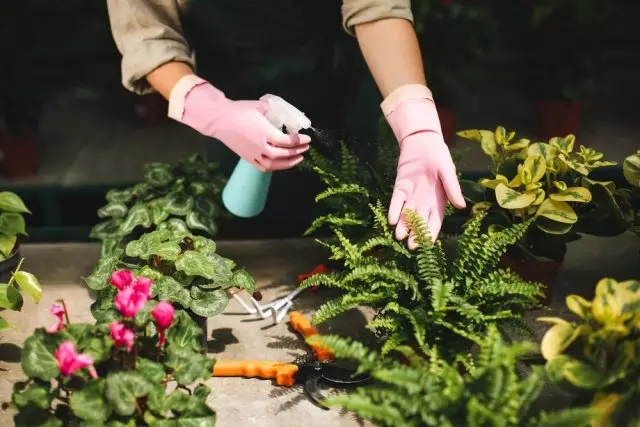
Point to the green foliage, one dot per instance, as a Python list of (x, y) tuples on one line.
[(598, 356), (130, 389), (181, 197), (185, 268), (428, 391), (12, 222), (548, 181), (422, 298), (629, 200), (10, 296)]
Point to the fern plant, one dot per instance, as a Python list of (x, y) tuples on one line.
[(420, 297), (434, 393), (184, 197)]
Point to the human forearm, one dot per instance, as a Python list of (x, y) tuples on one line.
[(391, 50), (164, 78)]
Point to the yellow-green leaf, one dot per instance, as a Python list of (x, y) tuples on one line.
[(484, 137), (29, 283), (573, 194), (557, 339), (557, 211), (606, 308), (605, 404), (511, 199), (493, 183), (4, 325), (533, 186), (539, 193), (553, 320), (582, 375), (563, 144), (548, 152), (521, 144), (479, 207), (553, 227), (7, 243), (631, 169), (575, 165), (536, 167), (560, 185), (500, 135), (511, 135), (578, 305)]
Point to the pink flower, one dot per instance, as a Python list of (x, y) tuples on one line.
[(121, 279), (129, 302), (123, 336), (163, 314), (70, 361), (143, 285), (58, 311)]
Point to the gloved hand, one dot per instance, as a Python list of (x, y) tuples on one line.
[(240, 125), (426, 176)]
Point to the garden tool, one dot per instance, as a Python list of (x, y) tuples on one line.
[(307, 370), (245, 194), (276, 309)]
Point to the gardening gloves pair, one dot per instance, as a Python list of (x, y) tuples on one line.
[(240, 125), (426, 178)]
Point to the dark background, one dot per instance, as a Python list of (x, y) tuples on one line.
[(69, 131)]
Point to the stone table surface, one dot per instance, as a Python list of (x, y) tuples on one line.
[(234, 335)]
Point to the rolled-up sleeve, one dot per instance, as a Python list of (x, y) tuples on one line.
[(148, 34), (355, 12)]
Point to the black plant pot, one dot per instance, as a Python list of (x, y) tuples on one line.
[(9, 265)]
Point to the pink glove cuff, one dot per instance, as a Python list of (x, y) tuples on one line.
[(410, 109), (179, 93)]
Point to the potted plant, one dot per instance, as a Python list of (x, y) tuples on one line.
[(434, 393), (186, 271), (421, 298), (596, 356), (10, 296), (12, 225), (547, 182), (631, 170), (137, 370), (184, 196), (455, 35)]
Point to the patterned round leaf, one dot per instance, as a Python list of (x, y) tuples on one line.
[(124, 388), (572, 194), (7, 243), (557, 211), (105, 229), (138, 217), (113, 210), (120, 196), (631, 169), (244, 280), (159, 212), (195, 264), (88, 403), (168, 289), (158, 174), (176, 225), (197, 221), (36, 359), (210, 304), (179, 203), (511, 199)]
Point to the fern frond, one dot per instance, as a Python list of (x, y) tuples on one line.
[(389, 274), (333, 220), (347, 302), (354, 190), (572, 417), (430, 256), (366, 407), (349, 164)]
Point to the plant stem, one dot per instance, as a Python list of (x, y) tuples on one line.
[(15, 271), (66, 314)]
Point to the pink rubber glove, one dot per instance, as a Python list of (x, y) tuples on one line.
[(426, 176), (240, 125)]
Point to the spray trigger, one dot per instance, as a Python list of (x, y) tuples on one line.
[(282, 114)]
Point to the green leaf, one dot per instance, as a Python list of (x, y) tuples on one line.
[(11, 202), (484, 137), (195, 264), (204, 245), (176, 224), (184, 332), (152, 371), (37, 361), (206, 207), (12, 224), (113, 210), (35, 393), (89, 403), (138, 216), (159, 242), (7, 244), (557, 211), (188, 365), (583, 375), (158, 174), (29, 283), (159, 212), (106, 229), (98, 347), (32, 416), (202, 391), (177, 400), (169, 289), (198, 221), (101, 275), (179, 204), (572, 194), (511, 199), (119, 196), (243, 280), (4, 325), (10, 298), (631, 169), (210, 303), (124, 388)]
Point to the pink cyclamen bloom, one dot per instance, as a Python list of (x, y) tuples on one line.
[(143, 285), (163, 314), (121, 279), (58, 311), (129, 302), (70, 361), (123, 336)]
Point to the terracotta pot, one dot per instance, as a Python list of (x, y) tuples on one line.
[(559, 118), (448, 124), (151, 110), (20, 154), (545, 272)]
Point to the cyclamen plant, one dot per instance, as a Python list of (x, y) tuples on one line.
[(116, 374)]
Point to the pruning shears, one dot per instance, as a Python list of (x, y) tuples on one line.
[(322, 367)]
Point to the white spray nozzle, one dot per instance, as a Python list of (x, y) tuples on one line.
[(280, 113)]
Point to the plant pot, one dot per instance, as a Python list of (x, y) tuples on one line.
[(448, 124), (545, 272), (151, 110), (19, 154), (559, 118), (8, 266)]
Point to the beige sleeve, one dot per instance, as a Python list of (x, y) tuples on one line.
[(148, 33), (355, 12)]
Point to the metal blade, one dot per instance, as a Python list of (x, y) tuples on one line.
[(311, 388)]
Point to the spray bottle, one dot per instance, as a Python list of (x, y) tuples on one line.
[(245, 194)]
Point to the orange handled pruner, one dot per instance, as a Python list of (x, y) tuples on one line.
[(288, 374)]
